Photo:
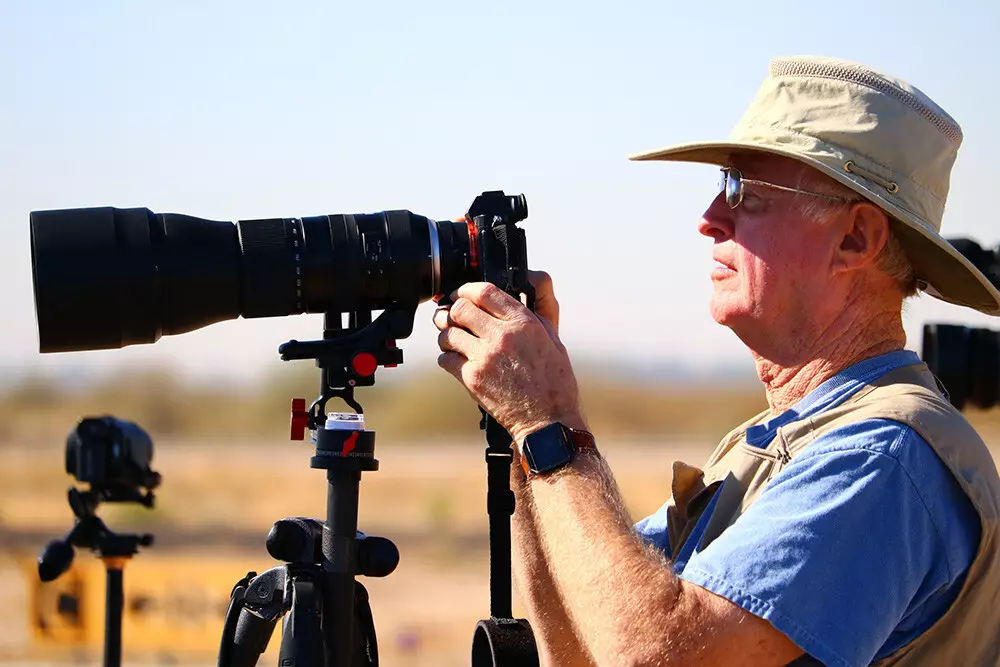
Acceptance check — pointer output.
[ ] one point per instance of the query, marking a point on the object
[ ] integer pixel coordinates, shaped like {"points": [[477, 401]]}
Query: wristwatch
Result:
{"points": [[552, 447]]}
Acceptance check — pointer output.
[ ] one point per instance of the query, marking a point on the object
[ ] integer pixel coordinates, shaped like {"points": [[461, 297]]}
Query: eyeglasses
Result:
{"points": [[732, 182]]}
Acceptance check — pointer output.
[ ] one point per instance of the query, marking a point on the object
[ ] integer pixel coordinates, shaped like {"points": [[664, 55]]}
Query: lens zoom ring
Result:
{"points": [[271, 263]]}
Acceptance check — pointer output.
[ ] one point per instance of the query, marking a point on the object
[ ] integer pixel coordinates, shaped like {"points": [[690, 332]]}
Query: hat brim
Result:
{"points": [[948, 274]]}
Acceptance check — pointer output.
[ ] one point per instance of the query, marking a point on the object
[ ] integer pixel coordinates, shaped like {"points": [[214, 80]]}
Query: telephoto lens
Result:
{"points": [[108, 277]]}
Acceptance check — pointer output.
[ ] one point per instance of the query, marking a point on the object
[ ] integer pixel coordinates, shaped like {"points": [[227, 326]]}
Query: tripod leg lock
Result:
{"points": [[499, 497], [504, 642], [255, 605], [500, 502]]}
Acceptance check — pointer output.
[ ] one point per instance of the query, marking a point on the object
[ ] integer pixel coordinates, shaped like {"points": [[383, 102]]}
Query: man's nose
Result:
{"points": [[717, 221]]}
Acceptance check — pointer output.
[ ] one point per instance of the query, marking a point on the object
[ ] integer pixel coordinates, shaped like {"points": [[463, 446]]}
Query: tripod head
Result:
{"points": [[347, 358], [89, 532], [113, 456]]}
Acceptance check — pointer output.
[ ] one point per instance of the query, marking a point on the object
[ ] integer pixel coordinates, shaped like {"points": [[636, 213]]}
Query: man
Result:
{"points": [[853, 522]]}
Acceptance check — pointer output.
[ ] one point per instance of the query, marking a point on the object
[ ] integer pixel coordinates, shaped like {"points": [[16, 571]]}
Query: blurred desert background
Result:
{"points": [[229, 471], [242, 110]]}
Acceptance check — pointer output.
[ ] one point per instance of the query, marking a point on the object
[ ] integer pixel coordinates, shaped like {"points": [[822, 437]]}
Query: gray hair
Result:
{"points": [[891, 260]]}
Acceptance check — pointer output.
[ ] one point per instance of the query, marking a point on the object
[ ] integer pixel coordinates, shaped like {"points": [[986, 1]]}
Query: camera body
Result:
{"points": [[500, 246], [111, 455]]}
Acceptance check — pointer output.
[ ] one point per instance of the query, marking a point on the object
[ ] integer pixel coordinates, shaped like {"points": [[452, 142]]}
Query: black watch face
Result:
{"points": [[548, 448]]}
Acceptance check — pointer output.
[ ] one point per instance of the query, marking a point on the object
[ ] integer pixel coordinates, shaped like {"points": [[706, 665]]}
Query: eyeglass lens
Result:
{"points": [[732, 184]]}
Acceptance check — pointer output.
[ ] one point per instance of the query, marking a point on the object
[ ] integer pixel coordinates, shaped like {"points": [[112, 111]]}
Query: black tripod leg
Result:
{"points": [[114, 603], [302, 635], [247, 631], [366, 644], [252, 636], [236, 600], [501, 641], [499, 507], [339, 562]]}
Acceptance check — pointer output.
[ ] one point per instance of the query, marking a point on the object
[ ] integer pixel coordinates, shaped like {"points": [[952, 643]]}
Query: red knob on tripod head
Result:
{"points": [[364, 364], [300, 419]]}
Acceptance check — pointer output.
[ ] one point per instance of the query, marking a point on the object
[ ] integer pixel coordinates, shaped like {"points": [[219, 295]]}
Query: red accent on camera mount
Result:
{"points": [[364, 364], [300, 419]]}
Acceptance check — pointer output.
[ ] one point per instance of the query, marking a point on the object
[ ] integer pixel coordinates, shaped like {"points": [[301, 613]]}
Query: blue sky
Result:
{"points": [[246, 110]]}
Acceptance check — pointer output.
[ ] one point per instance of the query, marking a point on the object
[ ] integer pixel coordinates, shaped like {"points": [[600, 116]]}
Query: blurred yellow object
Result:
{"points": [[173, 605]]}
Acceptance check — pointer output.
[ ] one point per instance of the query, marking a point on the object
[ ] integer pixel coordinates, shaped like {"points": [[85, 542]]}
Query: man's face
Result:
{"points": [[772, 263]]}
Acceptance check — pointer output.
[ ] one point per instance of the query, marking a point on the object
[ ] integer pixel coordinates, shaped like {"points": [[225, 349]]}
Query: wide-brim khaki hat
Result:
{"points": [[876, 134]]}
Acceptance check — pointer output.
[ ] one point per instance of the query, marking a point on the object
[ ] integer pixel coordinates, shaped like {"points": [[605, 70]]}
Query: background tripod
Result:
{"points": [[114, 457]]}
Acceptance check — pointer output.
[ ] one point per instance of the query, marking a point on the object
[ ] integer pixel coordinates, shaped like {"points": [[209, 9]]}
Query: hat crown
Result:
{"points": [[900, 142], [858, 74]]}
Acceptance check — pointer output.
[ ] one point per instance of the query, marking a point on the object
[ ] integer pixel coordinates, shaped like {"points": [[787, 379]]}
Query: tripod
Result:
{"points": [[114, 549], [327, 620]]}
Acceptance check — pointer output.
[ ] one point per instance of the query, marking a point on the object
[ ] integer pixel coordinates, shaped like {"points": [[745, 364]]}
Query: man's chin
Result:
{"points": [[722, 312], [728, 314]]}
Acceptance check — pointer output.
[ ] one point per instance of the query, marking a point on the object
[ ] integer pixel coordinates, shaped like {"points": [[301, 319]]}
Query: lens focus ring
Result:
{"points": [[272, 267]]}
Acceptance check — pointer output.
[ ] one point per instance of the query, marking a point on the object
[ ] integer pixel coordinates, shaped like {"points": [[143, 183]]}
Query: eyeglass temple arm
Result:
{"points": [[787, 189]]}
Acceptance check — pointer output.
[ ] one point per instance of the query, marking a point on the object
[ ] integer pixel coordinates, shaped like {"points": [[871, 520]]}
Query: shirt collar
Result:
{"points": [[831, 393]]}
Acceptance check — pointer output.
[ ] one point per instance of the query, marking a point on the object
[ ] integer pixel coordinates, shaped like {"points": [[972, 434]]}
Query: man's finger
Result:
{"points": [[546, 305], [490, 298], [452, 362], [441, 318], [551, 329], [453, 339], [464, 313]]}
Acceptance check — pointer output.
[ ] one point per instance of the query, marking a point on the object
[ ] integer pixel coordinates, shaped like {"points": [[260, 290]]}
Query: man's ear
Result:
{"points": [[865, 230]]}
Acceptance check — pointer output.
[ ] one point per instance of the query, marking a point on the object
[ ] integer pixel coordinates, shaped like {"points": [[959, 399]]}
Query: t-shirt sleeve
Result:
{"points": [[655, 528], [841, 545]]}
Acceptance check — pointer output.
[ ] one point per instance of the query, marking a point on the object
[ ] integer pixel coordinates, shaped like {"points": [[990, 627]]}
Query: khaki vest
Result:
{"points": [[969, 632]]}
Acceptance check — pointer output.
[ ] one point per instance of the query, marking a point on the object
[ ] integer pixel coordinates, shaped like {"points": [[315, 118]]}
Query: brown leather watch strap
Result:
{"points": [[583, 439]]}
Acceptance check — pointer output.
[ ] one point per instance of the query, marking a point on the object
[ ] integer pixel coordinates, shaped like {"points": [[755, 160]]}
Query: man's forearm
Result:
{"points": [[618, 593], [557, 640]]}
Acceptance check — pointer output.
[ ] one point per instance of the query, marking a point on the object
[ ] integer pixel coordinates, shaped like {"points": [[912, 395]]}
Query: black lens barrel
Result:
{"points": [[106, 277], [334, 263], [271, 265], [199, 270], [71, 268]]}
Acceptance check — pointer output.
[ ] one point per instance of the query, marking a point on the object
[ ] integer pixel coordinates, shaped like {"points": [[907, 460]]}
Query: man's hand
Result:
{"points": [[509, 359]]}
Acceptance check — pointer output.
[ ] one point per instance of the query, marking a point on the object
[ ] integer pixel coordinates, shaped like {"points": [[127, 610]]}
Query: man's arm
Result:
{"points": [[555, 636], [622, 598], [626, 603]]}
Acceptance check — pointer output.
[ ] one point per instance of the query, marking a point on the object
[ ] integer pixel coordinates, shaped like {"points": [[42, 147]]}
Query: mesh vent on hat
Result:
{"points": [[866, 77]]}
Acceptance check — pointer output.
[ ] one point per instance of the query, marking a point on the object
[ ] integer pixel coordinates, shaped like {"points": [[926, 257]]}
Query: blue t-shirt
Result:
{"points": [[855, 548]]}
